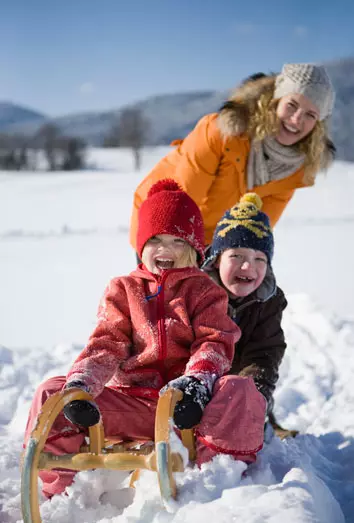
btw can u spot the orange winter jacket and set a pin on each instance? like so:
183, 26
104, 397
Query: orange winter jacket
153, 329
211, 169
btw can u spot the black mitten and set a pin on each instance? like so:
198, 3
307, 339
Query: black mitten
189, 411
81, 412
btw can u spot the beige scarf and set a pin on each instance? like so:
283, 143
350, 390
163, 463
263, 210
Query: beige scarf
268, 160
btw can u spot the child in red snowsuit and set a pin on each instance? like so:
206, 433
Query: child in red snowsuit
164, 325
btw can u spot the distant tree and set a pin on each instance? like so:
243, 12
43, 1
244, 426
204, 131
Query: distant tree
47, 139
73, 150
112, 139
130, 131
61, 152
23, 150
7, 158
14, 150
133, 131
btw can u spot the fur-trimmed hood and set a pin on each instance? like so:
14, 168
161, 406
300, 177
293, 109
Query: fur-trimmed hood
234, 115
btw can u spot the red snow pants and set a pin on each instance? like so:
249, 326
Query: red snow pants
232, 423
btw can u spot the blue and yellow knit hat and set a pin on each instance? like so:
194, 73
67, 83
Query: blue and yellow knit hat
244, 225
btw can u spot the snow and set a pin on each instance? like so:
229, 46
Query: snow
64, 235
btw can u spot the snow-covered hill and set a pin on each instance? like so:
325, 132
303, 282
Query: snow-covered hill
62, 236
172, 116
13, 114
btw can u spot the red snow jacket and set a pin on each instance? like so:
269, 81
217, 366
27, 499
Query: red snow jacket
153, 329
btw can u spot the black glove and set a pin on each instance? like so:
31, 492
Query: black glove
189, 411
81, 412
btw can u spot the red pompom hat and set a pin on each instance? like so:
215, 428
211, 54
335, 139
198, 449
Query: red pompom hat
169, 210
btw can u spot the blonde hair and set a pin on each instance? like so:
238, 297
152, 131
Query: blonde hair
188, 258
264, 122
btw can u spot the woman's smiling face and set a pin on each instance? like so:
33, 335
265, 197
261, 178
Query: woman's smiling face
297, 117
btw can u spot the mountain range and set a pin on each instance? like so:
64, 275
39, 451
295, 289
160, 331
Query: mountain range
172, 116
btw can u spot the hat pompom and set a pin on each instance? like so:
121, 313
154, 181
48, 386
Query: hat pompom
253, 198
164, 185
242, 226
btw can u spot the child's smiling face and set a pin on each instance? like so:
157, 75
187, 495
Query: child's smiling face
163, 252
242, 270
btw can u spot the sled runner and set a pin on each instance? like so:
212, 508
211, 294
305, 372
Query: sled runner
101, 453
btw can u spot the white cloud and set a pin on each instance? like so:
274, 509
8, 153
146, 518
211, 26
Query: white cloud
87, 88
246, 28
300, 31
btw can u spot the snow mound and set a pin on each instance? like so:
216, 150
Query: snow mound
306, 479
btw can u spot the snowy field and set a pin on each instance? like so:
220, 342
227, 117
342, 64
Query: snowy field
64, 235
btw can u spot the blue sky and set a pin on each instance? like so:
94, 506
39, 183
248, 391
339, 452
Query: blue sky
69, 56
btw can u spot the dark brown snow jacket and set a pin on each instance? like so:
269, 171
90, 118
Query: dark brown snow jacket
260, 350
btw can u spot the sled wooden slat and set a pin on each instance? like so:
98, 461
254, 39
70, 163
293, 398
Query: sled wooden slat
164, 413
51, 409
113, 461
188, 440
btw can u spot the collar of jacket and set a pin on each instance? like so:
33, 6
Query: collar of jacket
176, 274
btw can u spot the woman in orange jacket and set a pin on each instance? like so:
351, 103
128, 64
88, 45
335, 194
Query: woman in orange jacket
270, 137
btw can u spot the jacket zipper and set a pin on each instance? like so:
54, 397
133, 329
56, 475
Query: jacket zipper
161, 329
161, 319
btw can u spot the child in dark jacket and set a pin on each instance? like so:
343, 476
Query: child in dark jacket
239, 260
164, 325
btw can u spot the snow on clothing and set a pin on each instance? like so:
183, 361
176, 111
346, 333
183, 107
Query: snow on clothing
153, 329
261, 348
210, 164
149, 331
128, 417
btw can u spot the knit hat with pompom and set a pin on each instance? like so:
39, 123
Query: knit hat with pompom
312, 81
244, 225
169, 210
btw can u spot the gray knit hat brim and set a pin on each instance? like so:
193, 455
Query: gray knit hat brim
309, 80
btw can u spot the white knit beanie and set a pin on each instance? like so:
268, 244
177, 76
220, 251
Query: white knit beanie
310, 80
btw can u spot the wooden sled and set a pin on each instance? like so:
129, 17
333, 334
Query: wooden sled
100, 453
